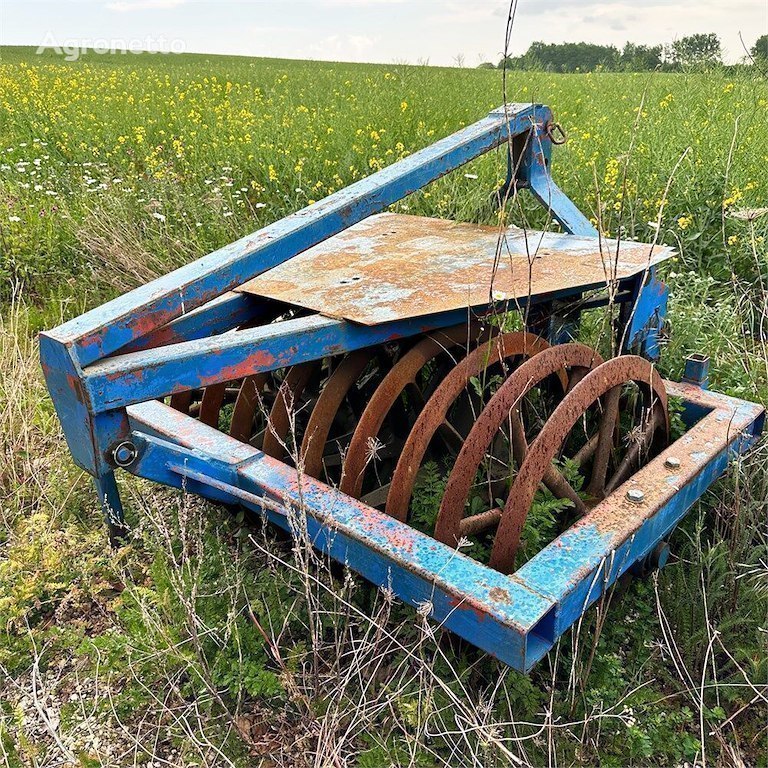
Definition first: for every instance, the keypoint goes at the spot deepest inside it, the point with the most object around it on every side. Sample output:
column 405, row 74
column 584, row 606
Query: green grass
column 202, row 643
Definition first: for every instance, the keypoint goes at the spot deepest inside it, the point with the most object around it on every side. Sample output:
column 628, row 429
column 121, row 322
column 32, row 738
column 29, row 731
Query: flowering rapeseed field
column 189, row 152
column 188, row 646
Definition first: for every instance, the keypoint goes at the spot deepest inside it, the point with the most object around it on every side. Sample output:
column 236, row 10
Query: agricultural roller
column 317, row 370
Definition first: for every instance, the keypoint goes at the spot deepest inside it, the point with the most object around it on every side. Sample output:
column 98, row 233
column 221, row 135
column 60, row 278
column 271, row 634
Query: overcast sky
column 375, row 30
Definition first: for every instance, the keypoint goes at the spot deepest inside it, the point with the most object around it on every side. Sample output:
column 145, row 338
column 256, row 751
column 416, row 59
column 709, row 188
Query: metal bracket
column 643, row 319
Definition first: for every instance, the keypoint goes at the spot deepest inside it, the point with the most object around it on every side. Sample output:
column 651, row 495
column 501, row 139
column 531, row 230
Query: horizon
column 92, row 51
column 372, row 31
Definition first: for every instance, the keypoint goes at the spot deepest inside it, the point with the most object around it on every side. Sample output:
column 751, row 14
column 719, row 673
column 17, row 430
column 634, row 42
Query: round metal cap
column 125, row 454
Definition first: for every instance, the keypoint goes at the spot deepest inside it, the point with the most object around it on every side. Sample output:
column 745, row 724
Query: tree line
column 691, row 52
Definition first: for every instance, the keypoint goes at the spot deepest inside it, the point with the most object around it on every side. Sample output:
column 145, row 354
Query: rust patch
column 388, row 266
column 260, row 360
column 499, row 594
column 145, row 324
column 76, row 385
column 459, row 604
column 118, row 375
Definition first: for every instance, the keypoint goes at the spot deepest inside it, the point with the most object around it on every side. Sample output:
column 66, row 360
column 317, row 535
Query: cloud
column 142, row 5
column 344, row 47
column 357, row 3
column 657, row 7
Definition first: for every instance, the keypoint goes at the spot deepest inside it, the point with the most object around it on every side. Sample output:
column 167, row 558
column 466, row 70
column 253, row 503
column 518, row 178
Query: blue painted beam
column 63, row 379
column 575, row 569
column 534, row 175
column 543, row 187
column 133, row 378
column 119, row 381
column 224, row 313
column 488, row 608
column 645, row 316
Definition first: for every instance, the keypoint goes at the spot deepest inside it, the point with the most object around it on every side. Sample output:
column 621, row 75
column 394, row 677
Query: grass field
column 204, row 642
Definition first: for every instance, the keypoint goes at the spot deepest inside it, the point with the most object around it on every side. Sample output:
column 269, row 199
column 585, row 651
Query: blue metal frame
column 105, row 369
column 644, row 317
column 182, row 313
column 517, row 618
column 114, row 325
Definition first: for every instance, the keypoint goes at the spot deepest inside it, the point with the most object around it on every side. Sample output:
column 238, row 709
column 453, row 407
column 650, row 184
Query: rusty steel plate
column 393, row 267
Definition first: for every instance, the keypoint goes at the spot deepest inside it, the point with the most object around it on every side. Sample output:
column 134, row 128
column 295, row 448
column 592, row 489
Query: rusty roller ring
column 500, row 348
column 247, row 403
column 279, row 421
column 403, row 373
column 500, row 407
column 595, row 385
column 182, row 401
column 327, row 406
column 210, row 405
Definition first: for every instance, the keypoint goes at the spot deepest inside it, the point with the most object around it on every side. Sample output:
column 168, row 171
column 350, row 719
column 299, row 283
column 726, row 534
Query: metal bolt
column 635, row 495
column 125, row 454
column 672, row 462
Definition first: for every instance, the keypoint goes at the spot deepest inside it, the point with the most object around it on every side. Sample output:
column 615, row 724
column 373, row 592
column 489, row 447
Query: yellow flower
column 612, row 172
column 684, row 222
column 403, row 106
column 272, row 173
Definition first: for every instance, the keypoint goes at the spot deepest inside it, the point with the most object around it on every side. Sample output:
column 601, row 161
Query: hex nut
column 635, row 495
column 672, row 462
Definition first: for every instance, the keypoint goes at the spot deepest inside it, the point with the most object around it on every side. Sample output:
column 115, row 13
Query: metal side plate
column 393, row 267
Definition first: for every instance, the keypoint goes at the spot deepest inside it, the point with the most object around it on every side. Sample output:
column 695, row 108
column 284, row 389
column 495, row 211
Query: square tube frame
column 517, row 618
